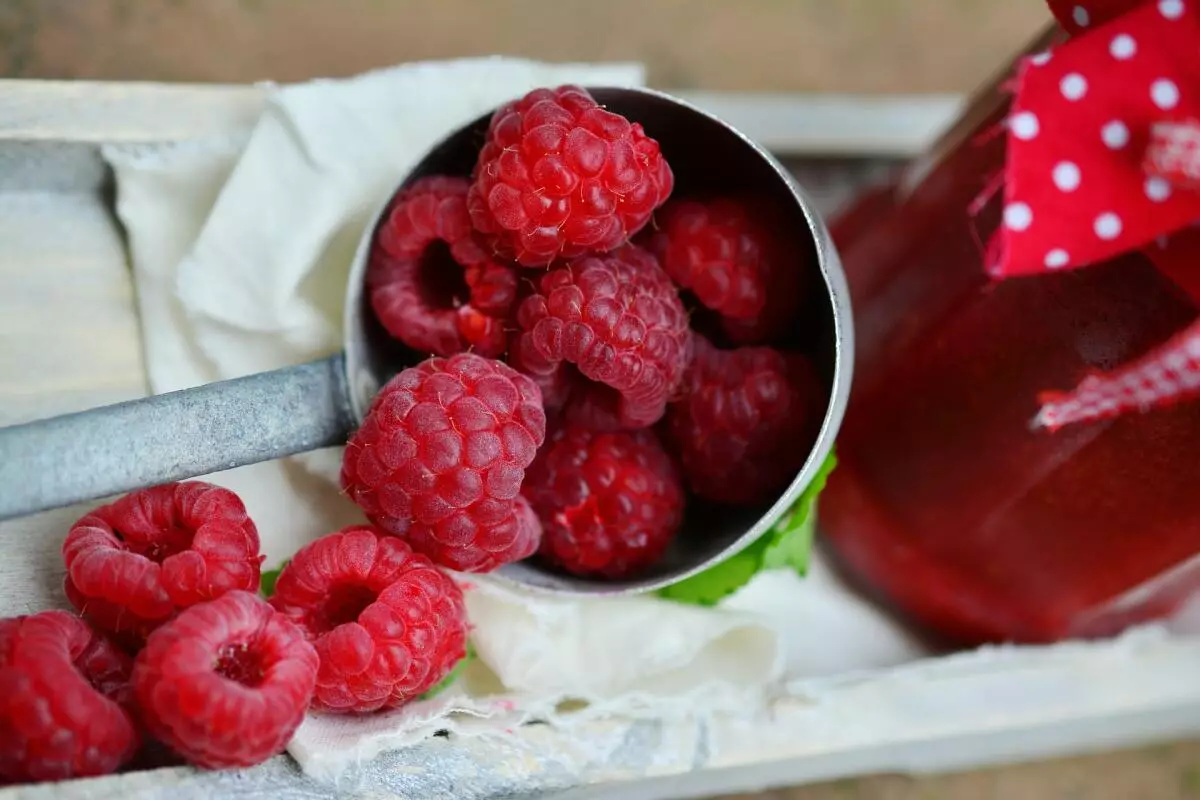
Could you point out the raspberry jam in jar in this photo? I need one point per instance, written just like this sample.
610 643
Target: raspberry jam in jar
947 503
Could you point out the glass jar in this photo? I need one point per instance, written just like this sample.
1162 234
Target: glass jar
946 503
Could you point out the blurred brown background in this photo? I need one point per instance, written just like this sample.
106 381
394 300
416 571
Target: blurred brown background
866 46
793 45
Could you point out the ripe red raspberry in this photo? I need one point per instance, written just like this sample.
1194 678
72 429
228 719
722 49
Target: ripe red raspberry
431 284
618 319
440 458
559 177
745 423
732 255
132 564
610 503
387 624
64 692
226 683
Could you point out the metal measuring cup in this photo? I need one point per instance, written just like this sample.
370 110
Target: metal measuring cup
105 451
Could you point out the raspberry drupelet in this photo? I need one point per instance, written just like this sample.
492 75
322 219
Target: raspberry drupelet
607 337
431 283
440 458
559 176
134 563
387 624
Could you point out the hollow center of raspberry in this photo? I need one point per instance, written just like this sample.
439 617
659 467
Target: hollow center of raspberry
440 278
343 605
101 667
168 541
240 663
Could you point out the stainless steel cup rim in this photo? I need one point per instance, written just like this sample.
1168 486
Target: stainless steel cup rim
364 378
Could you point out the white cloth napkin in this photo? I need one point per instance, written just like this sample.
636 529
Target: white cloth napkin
240 248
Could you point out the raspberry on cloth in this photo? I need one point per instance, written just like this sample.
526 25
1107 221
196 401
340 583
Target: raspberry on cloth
132 564
387 624
227 682
64 700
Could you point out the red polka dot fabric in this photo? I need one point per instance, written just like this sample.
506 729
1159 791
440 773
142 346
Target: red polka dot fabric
1103 159
1076 188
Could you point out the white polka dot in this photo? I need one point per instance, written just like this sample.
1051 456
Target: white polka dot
1024 125
1057 258
1115 134
1041 59
1017 216
1107 226
1066 176
1171 9
1164 93
1081 16
1122 47
1162 242
1157 189
1073 86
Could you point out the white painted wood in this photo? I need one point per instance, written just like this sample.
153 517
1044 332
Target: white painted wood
788 124
897 125
98 111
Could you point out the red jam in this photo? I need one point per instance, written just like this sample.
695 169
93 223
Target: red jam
945 502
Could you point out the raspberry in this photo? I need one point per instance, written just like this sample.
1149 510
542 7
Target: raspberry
610 503
745 423
618 319
559 177
730 255
387 624
227 682
132 564
431 284
63 697
440 458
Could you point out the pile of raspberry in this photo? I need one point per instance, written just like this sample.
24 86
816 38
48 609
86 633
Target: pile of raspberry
598 357
173 655
601 354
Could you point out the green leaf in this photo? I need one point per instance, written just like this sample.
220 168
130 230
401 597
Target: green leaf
266 584
452 675
787 545
708 587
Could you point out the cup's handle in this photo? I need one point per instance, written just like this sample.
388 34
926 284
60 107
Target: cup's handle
105 451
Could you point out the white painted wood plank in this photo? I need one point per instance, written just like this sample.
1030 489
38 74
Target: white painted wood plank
69 340
99 111
788 124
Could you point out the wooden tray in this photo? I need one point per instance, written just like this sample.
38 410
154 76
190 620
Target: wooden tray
69 339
